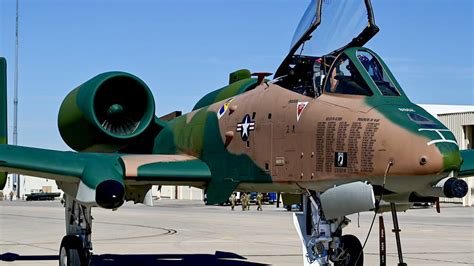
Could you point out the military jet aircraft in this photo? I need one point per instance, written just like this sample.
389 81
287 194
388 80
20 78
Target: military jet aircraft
333 124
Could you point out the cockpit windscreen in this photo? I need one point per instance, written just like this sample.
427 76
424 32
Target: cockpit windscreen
377 73
344 78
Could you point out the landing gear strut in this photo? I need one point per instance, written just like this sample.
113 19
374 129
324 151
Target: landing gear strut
322 239
76 246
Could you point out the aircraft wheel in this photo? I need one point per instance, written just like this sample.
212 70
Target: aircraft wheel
353 247
71 252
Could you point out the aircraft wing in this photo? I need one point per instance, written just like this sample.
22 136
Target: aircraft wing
98 178
467 167
162 168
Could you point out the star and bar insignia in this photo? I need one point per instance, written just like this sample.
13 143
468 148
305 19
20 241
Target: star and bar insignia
245 127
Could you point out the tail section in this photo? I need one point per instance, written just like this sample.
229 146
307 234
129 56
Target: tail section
3 112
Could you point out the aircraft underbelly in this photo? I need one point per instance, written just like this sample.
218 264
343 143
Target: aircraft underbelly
268 187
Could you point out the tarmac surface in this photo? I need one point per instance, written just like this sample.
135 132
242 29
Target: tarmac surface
189 233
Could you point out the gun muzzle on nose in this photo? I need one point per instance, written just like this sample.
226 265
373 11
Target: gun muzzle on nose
449 187
455 188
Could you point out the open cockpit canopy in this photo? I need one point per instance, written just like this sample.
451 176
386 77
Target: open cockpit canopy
329 26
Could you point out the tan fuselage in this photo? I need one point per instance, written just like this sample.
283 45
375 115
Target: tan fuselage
317 143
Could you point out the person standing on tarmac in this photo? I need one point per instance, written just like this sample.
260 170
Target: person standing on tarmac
243 201
232 201
259 201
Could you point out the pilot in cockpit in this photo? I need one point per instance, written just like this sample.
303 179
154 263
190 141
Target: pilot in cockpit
355 74
332 80
344 78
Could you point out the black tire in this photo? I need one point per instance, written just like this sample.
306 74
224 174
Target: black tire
72 253
353 247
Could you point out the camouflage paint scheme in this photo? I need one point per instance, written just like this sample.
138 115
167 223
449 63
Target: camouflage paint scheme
281 153
252 135
283 148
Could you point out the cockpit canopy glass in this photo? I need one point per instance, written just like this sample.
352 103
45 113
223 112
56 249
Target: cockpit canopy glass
341 21
310 17
344 78
377 73
326 54
328 27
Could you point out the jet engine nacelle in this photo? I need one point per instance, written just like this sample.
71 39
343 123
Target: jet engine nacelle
347 199
105 113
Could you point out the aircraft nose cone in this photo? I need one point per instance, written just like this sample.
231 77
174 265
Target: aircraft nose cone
451 156
438 159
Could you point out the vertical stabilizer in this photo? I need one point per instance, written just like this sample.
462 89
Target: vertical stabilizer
3 112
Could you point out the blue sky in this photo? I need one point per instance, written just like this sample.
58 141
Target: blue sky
183 49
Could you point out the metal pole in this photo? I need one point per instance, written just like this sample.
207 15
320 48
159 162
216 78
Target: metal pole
382 243
396 230
15 100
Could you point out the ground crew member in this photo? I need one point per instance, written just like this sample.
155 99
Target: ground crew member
11 195
243 201
232 201
259 201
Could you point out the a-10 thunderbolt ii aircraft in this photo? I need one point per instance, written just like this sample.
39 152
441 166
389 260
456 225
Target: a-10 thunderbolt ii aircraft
333 124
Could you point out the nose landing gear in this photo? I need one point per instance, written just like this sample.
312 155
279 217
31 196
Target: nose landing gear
322 239
352 251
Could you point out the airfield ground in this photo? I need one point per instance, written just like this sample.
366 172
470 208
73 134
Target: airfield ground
189 233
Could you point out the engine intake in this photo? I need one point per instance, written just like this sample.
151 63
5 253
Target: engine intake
106 112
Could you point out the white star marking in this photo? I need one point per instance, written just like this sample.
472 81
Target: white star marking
245 127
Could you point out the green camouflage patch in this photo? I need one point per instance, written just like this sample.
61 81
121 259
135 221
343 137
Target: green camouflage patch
233 89
194 170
